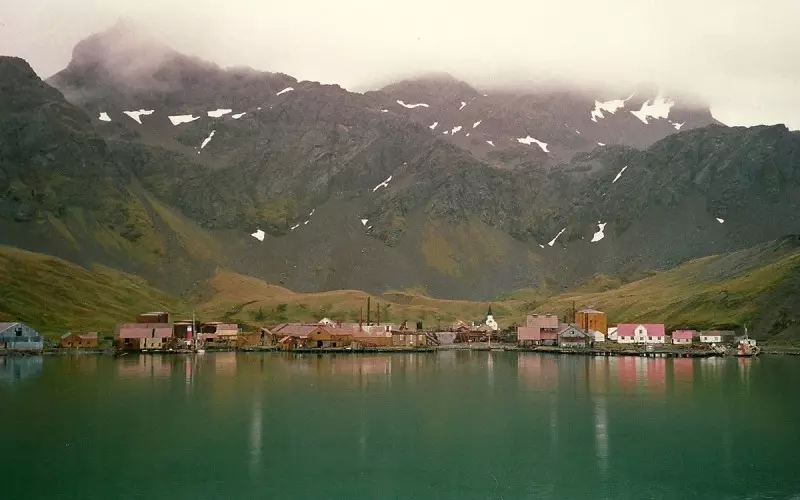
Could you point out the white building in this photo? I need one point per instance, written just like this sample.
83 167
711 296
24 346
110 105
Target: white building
612 334
710 337
641 334
490 322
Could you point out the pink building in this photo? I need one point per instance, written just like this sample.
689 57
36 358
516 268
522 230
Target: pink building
539 329
137 336
641 333
683 337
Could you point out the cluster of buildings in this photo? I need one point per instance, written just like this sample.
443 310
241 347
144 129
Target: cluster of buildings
589 326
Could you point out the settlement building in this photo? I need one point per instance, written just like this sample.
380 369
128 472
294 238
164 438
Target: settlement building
490 321
683 337
573 336
612 334
710 337
142 336
591 320
79 340
19 336
539 329
641 334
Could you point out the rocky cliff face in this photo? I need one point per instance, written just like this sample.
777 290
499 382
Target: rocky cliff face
315 187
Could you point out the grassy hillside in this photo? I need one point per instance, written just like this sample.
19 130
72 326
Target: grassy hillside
54 296
251 301
759 286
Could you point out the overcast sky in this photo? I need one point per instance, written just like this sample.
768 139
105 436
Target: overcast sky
741 56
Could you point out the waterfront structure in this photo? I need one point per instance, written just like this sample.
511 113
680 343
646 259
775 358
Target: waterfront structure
20 337
632 333
612 334
143 336
573 336
79 340
592 320
711 337
683 337
406 338
539 329
219 333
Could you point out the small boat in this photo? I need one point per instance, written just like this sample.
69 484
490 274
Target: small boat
746 347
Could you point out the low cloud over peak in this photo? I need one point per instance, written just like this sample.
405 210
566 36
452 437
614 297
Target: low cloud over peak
736 56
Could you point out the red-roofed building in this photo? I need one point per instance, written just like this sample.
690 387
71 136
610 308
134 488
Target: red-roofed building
683 337
632 333
539 329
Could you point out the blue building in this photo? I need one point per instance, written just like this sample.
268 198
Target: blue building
19 336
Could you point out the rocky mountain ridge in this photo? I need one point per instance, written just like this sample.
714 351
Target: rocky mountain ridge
314 187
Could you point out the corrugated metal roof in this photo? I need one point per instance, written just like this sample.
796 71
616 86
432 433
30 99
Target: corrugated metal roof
6 326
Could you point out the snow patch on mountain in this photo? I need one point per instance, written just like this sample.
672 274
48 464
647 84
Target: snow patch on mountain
553 241
259 235
455 129
658 109
382 184
306 222
384 111
619 174
218 113
467 134
364 222
677 125
721 221
530 140
609 106
179 119
412 106
462 105
446 132
601 144
433 127
599 235
238 115
294 227
137 115
490 143
475 125
287 89
207 140
104 117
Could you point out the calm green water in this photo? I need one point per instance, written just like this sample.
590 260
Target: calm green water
455 425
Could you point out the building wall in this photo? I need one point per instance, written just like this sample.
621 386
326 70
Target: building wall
542 320
681 341
27 340
710 339
626 340
592 321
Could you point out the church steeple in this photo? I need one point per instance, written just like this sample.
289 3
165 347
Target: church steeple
489 314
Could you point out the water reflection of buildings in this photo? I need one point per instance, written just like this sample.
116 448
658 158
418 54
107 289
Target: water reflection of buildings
641 373
537 371
15 369
224 363
144 366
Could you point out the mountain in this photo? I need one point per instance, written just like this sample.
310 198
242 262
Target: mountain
192 167
516 128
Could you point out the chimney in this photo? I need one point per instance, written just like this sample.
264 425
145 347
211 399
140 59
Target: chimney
369 309
378 307
360 318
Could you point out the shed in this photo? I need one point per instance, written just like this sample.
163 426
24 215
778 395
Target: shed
21 337
79 340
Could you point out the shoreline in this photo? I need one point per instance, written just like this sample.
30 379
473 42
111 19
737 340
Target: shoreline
595 352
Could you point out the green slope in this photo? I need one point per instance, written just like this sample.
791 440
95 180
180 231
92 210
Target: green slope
55 296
